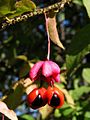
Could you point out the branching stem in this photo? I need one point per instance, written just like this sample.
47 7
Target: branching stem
11 21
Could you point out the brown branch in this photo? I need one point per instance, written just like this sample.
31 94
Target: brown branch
56 6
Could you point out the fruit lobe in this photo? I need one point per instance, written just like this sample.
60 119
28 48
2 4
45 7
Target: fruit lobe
37 98
55 97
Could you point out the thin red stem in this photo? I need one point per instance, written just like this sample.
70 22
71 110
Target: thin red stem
48 54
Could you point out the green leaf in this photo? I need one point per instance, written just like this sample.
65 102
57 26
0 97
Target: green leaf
87 5
87 115
86 74
43 111
27 117
79 47
6 6
77 93
69 98
12 9
22 57
68 111
79 2
57 113
16 92
23 6
74 118
24 70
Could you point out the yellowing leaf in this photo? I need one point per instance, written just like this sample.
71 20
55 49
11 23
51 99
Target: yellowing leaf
45 111
7 112
6 7
86 74
87 6
21 7
53 33
69 99
25 6
21 57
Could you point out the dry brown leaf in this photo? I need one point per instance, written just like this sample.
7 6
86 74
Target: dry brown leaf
28 85
63 80
53 33
7 112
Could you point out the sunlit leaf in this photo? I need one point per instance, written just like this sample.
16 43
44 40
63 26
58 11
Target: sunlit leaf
23 6
77 93
74 118
27 117
69 98
57 113
79 2
45 111
6 6
21 57
28 85
87 115
68 111
87 5
86 74
12 9
7 112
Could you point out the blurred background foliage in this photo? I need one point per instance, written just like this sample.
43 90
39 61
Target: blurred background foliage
25 43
